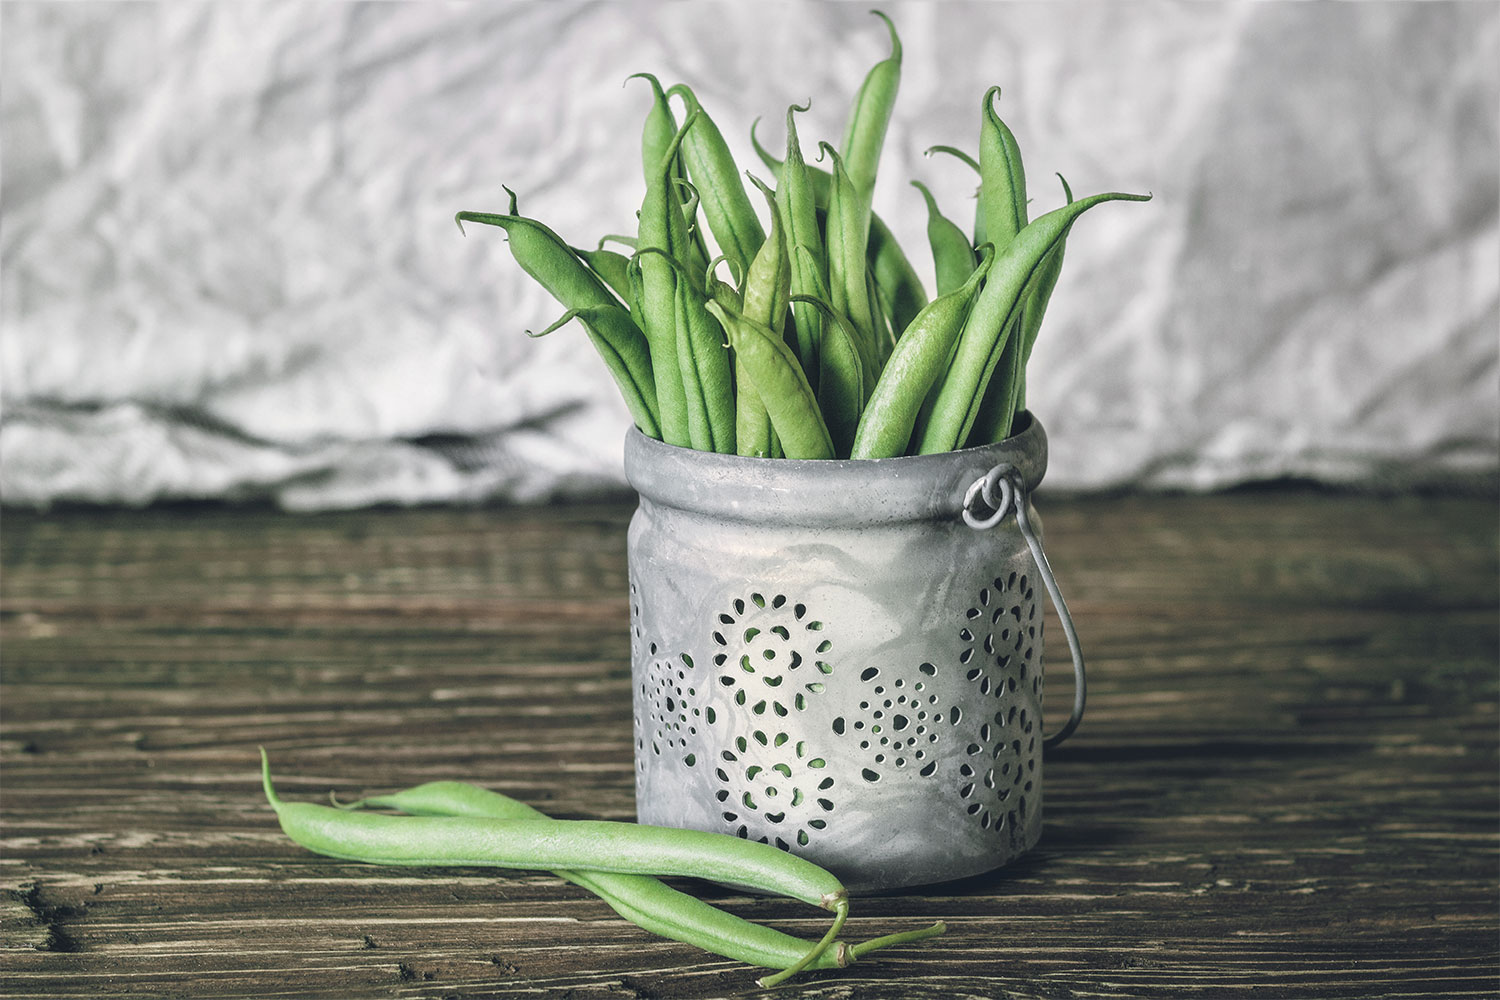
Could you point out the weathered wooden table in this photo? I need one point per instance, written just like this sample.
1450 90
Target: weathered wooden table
1286 784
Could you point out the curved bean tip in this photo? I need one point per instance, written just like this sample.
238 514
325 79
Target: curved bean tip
1067 191
265 781
689 99
649 78
990 96
512 210
458 220
562 321
713 265
767 191
895 55
954 152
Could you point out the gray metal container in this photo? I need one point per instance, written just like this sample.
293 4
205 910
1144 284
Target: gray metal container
843 658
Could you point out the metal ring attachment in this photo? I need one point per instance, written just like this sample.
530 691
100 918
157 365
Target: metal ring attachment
997 478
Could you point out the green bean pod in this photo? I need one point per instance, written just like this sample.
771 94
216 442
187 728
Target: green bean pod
753 435
658 132
644 900
562 272
767 297
546 257
991 321
920 358
1002 179
952 256
845 373
707 374
1006 394
623 347
869 119
726 205
841 383
592 845
848 234
895 276
897 280
797 202
880 315
789 399
768 282
624 848
687 358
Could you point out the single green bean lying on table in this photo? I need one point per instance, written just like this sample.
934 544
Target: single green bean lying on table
455 823
676 342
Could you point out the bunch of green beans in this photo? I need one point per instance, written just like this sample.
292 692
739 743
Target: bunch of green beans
455 823
822 343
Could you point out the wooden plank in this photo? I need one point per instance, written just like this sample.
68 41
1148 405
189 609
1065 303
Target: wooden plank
1285 786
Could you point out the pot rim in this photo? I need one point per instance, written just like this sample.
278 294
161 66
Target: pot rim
826 492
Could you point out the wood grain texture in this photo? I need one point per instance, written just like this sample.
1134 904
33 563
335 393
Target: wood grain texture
1286 784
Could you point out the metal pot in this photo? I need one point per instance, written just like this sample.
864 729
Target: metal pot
844 658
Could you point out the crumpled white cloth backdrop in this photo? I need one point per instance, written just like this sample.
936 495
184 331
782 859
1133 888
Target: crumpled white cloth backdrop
230 267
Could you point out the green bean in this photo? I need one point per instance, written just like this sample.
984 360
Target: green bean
658 132
546 257
768 282
767 296
869 119
1002 186
726 205
680 388
952 256
642 899
645 901
708 379
773 369
593 845
846 374
1006 394
880 315
979 234
754 437
848 238
991 322
895 276
710 400
623 347
559 269
797 202
841 383
920 358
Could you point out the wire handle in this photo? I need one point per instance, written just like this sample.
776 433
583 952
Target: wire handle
1002 490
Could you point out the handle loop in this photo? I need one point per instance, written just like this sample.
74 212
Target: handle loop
1002 491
